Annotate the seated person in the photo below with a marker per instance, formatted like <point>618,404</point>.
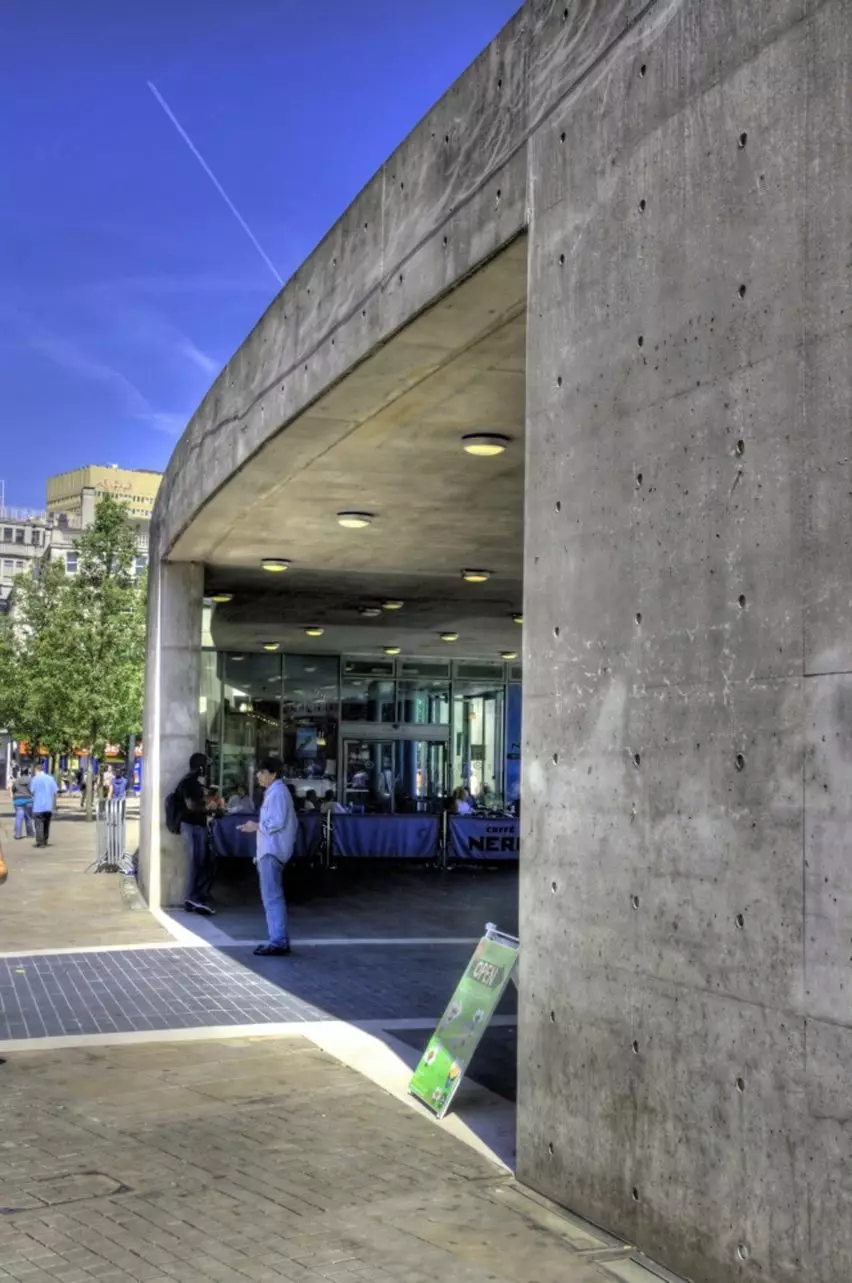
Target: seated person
<point>461,802</point>
<point>331,805</point>
<point>239,803</point>
<point>311,800</point>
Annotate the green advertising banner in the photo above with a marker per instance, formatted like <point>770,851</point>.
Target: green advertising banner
<point>443,1064</point>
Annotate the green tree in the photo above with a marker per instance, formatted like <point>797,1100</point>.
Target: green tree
<point>37,694</point>
<point>108,605</point>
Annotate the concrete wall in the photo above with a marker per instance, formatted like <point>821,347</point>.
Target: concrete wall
<point>172,722</point>
<point>685,168</point>
<point>686,1073</point>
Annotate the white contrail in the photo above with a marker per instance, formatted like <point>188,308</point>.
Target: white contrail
<point>215,181</point>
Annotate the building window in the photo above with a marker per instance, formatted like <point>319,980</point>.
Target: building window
<point>36,537</point>
<point>141,565</point>
<point>7,568</point>
<point>7,534</point>
<point>19,536</point>
<point>19,565</point>
<point>71,563</point>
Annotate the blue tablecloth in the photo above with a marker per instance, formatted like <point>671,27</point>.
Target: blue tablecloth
<point>396,837</point>
<point>484,838</point>
<point>230,843</point>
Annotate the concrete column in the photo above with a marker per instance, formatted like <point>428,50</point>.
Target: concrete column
<point>686,917</point>
<point>172,722</point>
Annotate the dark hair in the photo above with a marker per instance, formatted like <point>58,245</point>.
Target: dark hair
<point>273,765</point>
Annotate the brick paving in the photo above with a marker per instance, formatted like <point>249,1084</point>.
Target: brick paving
<point>51,902</point>
<point>180,988</point>
<point>255,1160</point>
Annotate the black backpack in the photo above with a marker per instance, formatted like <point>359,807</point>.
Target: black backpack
<point>175,808</point>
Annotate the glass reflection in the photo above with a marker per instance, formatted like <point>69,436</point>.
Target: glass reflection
<point>309,715</point>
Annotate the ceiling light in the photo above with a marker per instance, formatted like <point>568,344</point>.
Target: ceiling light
<point>392,650</point>
<point>449,637</point>
<point>312,668</point>
<point>271,645</point>
<point>392,605</point>
<point>476,576</point>
<point>519,619</point>
<point>314,631</point>
<point>369,612</point>
<point>354,520</point>
<point>220,598</point>
<point>275,565</point>
<point>509,654</point>
<point>238,659</point>
<point>484,444</point>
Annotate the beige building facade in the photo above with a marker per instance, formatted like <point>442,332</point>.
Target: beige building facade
<point>137,488</point>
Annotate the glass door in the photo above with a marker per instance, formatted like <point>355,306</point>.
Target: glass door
<point>370,779</point>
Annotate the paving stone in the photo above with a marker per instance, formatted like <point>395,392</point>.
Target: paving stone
<point>321,1179</point>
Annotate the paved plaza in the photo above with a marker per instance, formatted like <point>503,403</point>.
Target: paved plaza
<point>149,1134</point>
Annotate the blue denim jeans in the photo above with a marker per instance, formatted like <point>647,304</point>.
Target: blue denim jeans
<point>201,868</point>
<point>270,872</point>
<point>24,819</point>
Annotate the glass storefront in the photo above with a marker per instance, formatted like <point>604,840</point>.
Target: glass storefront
<point>379,735</point>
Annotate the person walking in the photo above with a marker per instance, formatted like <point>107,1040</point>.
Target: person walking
<point>22,800</point>
<point>276,831</point>
<point>44,792</point>
<point>192,799</point>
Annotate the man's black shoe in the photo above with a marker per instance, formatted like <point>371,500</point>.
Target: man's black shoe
<point>272,951</point>
<point>195,906</point>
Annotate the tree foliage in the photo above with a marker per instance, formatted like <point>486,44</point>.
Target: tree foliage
<point>72,650</point>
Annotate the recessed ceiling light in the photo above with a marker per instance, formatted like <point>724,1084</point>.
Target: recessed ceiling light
<point>369,612</point>
<point>220,598</point>
<point>271,645</point>
<point>484,444</point>
<point>392,650</point>
<point>509,654</point>
<point>449,637</point>
<point>312,668</point>
<point>275,565</point>
<point>314,631</point>
<point>354,520</point>
<point>519,619</point>
<point>476,576</point>
<point>392,605</point>
<point>238,659</point>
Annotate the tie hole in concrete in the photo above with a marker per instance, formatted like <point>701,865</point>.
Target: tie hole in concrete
<point>740,448</point>
<point>743,1252</point>
<point>637,760</point>
<point>638,616</point>
<point>741,601</point>
<point>635,1047</point>
<point>742,140</point>
<point>742,291</point>
<point>634,902</point>
<point>739,762</point>
<point>643,205</point>
<point>741,1085</point>
<point>739,921</point>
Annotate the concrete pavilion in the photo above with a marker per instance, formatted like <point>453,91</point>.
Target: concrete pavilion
<point>622,240</point>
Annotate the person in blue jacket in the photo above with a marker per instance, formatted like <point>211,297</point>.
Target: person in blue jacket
<point>276,830</point>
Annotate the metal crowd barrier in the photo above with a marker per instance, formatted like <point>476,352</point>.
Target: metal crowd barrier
<point>110,856</point>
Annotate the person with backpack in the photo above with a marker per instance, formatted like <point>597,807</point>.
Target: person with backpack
<point>186,814</point>
<point>276,829</point>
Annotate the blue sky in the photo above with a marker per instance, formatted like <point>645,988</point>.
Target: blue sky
<point>127,282</point>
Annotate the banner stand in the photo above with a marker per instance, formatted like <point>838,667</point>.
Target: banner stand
<point>445,1061</point>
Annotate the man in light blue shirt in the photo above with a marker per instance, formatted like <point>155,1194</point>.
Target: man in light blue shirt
<point>276,831</point>
<point>44,792</point>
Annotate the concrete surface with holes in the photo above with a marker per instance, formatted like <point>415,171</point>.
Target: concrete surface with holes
<point>258,1160</point>
<point>626,227</point>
